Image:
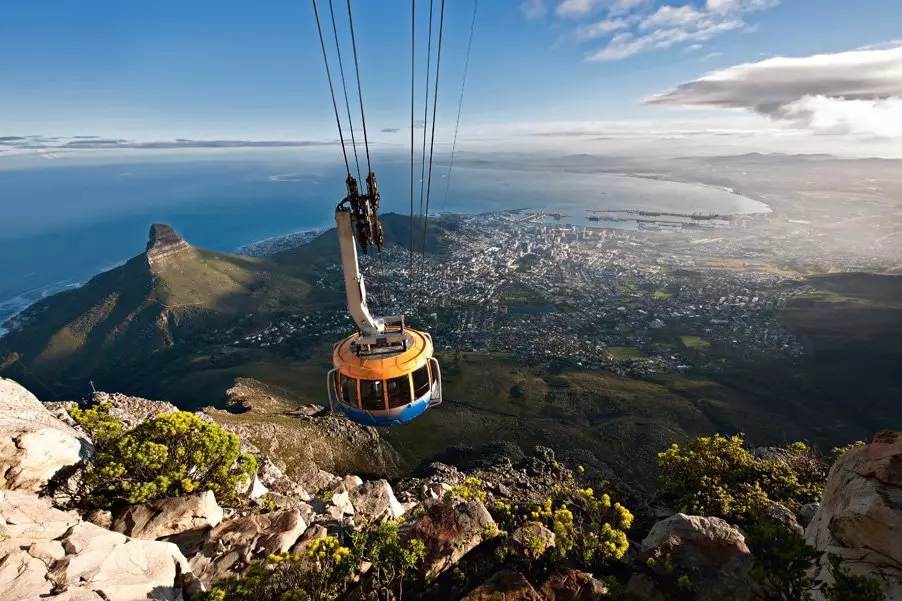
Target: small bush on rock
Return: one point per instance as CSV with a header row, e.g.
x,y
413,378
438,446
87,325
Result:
x,y
102,427
321,573
393,561
782,562
718,476
168,456
326,569
589,529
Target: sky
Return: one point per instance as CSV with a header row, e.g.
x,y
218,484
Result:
x,y
568,75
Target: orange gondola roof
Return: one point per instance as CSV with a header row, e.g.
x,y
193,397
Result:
x,y
386,366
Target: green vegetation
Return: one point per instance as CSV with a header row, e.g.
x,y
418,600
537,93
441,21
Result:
x,y
782,562
589,529
322,573
662,294
471,488
624,353
694,342
102,428
167,456
325,570
719,476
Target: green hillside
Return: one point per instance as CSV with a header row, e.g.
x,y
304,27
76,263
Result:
x,y
323,251
129,318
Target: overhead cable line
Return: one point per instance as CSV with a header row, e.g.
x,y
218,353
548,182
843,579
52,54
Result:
x,y
438,64
344,87
460,104
426,108
366,142
413,53
322,42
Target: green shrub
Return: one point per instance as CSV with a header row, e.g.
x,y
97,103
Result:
x,y
838,452
589,530
167,456
852,588
472,488
393,561
325,570
782,561
321,573
102,427
718,476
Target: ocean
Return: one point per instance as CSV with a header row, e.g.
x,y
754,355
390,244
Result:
x,y
63,221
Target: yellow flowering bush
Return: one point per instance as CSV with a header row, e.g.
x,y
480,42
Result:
x,y
719,476
167,456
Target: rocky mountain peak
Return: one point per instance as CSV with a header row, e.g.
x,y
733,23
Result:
x,y
163,242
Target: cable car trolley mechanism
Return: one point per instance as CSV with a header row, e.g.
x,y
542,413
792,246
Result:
x,y
385,374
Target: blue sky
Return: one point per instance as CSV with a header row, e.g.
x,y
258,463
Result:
x,y
253,70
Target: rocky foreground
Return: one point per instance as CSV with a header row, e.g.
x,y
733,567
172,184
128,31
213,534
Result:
x,y
175,548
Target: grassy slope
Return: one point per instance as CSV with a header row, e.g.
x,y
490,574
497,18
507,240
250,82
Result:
x,y
116,327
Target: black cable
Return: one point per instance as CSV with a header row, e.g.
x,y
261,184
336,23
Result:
x,y
344,86
366,142
460,104
322,42
438,64
426,108
413,52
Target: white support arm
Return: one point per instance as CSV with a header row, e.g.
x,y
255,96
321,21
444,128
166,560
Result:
x,y
354,286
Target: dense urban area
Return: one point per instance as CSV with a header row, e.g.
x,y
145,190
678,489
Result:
x,y
621,299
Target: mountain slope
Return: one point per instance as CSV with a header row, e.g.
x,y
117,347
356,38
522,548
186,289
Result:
x,y
165,297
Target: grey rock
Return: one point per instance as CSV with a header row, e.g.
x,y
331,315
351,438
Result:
x,y
166,517
375,500
709,548
860,515
450,531
34,446
807,512
505,585
533,539
782,514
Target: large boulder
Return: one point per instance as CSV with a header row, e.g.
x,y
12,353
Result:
x,y
450,531
505,585
165,517
234,544
711,552
573,585
34,445
51,554
120,568
860,515
375,500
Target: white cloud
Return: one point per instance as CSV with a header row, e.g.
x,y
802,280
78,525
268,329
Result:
x,y
711,55
601,28
577,8
694,47
882,45
840,116
625,45
637,26
533,9
857,92
671,16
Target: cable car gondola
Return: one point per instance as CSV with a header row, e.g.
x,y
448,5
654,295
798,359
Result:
x,y
385,374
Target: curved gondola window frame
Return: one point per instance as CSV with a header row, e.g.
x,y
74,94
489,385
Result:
x,y
421,391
